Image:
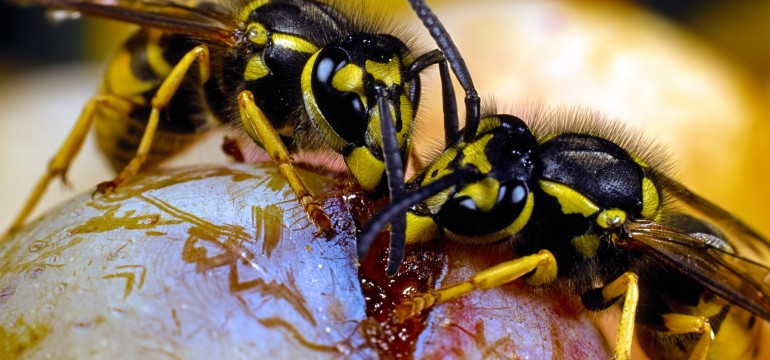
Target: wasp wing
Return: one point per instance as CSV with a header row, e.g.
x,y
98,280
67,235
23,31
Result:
x,y
739,280
748,242
202,22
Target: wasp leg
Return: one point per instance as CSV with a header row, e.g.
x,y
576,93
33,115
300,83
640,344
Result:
x,y
688,324
628,285
63,158
162,97
258,127
543,264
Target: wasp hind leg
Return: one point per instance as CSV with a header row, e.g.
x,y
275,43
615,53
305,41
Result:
x,y
259,127
542,267
161,99
63,158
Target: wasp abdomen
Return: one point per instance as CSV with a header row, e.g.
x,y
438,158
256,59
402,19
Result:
x,y
134,75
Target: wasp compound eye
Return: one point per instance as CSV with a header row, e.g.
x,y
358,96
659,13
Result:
x,y
337,85
462,215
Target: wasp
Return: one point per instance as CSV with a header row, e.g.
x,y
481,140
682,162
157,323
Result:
x,y
589,211
296,75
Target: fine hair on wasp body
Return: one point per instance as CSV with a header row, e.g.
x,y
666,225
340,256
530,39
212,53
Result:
x,y
296,75
589,210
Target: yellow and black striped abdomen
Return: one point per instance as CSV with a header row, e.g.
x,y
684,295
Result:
x,y
133,76
739,334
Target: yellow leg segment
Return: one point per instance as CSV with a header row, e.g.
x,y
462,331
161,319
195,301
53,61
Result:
x,y
543,263
688,324
259,127
627,284
63,158
161,99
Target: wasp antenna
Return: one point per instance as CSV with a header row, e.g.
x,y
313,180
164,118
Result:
x,y
451,120
394,167
395,173
456,61
397,246
400,205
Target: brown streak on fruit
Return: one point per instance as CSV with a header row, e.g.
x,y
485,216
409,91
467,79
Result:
x,y
39,260
130,277
110,222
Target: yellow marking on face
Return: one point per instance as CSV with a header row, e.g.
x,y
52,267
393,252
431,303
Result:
x,y
388,73
650,199
252,6
311,107
474,154
407,118
293,42
523,218
419,229
257,34
586,244
611,218
373,130
155,58
349,79
255,68
513,228
439,167
367,169
571,201
483,193
488,123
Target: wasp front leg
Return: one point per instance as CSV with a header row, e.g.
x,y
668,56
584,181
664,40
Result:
x,y
543,264
259,127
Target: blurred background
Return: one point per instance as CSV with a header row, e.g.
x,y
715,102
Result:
x,y
692,75
31,39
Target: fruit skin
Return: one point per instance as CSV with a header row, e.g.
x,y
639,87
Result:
x,y
214,261
202,260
